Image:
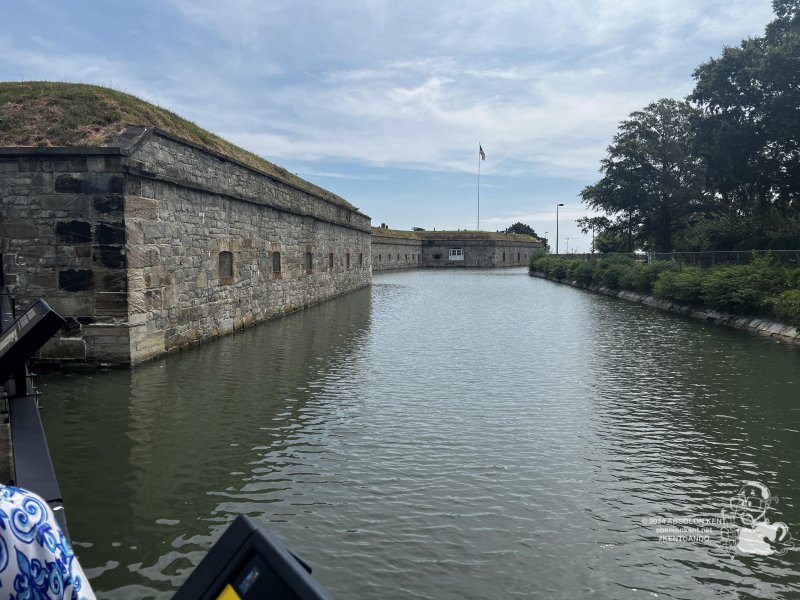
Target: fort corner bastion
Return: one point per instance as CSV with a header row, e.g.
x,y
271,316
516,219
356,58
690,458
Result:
x,y
154,242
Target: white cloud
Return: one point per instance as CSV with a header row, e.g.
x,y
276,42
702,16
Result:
x,y
558,119
538,82
541,83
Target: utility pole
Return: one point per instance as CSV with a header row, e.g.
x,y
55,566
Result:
x,y
557,205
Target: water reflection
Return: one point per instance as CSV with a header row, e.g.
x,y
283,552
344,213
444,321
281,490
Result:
x,y
165,442
443,435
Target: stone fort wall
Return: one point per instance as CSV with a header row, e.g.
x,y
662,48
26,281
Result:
x,y
395,253
408,253
62,237
161,244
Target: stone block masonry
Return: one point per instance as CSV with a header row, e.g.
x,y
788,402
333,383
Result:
x,y
490,253
394,252
161,243
62,238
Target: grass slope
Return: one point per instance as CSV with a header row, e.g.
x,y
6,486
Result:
x,y
37,113
451,235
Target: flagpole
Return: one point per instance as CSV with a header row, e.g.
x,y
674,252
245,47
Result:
x,y
479,187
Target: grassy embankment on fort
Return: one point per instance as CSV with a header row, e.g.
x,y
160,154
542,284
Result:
x,y
451,235
762,288
40,113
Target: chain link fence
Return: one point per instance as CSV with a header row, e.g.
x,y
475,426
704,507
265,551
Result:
x,y
789,258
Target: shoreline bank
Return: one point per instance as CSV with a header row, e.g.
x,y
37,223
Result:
x,y
759,325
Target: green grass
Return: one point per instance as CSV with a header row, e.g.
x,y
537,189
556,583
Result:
x,y
39,113
451,235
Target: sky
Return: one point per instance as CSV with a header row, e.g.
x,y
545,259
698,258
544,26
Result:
x,y
385,102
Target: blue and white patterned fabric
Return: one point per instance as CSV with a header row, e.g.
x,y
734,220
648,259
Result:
x,y
36,560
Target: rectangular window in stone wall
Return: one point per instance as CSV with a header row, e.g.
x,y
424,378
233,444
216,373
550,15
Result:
x,y
330,262
360,260
276,264
225,267
348,261
456,254
309,263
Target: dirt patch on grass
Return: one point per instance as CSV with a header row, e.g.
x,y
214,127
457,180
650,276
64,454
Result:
x,y
98,135
29,123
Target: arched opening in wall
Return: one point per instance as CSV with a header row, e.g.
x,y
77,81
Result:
x,y
309,263
225,267
348,261
518,255
276,264
504,257
330,262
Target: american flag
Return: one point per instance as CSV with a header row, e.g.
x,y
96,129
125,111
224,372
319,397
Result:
x,y
482,153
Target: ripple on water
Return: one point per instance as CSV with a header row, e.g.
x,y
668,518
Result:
x,y
467,434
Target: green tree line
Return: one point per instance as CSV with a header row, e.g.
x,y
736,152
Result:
x,y
718,170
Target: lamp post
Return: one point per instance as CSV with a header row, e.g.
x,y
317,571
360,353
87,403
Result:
x,y
557,205
567,244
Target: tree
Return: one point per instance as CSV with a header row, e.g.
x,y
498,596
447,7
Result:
x,y
652,182
523,229
749,134
606,234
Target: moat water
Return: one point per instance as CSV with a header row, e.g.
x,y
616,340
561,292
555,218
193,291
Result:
x,y
470,434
